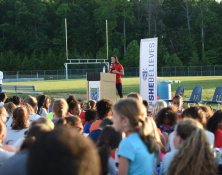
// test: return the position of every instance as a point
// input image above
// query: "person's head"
(32, 102)
(75, 108)
(194, 150)
(108, 142)
(43, 120)
(104, 108)
(16, 100)
(146, 104)
(158, 106)
(3, 113)
(208, 112)
(90, 115)
(105, 122)
(8, 100)
(73, 154)
(43, 102)
(10, 107)
(71, 98)
(129, 115)
(29, 109)
(2, 131)
(135, 95)
(86, 106)
(114, 59)
(20, 118)
(33, 133)
(81, 104)
(166, 116)
(196, 113)
(3, 97)
(215, 122)
(60, 108)
(92, 104)
(178, 101)
(74, 122)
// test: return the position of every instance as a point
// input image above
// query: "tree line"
(32, 32)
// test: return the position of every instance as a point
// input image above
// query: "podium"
(101, 85)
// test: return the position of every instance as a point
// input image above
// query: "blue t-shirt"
(86, 128)
(141, 160)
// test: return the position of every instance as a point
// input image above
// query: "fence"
(212, 70)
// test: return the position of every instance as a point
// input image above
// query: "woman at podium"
(117, 68)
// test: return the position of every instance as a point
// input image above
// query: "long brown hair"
(135, 111)
(194, 155)
(116, 59)
(20, 116)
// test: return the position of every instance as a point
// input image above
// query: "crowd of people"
(68, 136)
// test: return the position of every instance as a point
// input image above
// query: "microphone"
(111, 65)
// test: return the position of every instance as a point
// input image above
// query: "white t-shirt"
(43, 112)
(34, 117)
(13, 135)
(4, 155)
(9, 123)
(1, 103)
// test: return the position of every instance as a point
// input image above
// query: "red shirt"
(82, 117)
(218, 138)
(117, 67)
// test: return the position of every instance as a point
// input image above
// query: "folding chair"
(180, 90)
(195, 96)
(216, 98)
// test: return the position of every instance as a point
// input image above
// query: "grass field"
(61, 88)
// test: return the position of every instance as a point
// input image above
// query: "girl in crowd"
(3, 114)
(16, 100)
(30, 100)
(215, 126)
(10, 107)
(43, 105)
(19, 126)
(158, 106)
(194, 155)
(31, 113)
(107, 144)
(90, 117)
(178, 102)
(74, 108)
(137, 150)
(92, 104)
(4, 155)
(166, 119)
(59, 109)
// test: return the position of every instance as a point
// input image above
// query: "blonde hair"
(2, 128)
(158, 106)
(32, 102)
(10, 107)
(194, 155)
(135, 111)
(135, 95)
(43, 120)
(3, 111)
(29, 109)
(60, 108)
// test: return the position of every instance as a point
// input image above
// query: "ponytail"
(104, 153)
(194, 155)
(148, 134)
(109, 140)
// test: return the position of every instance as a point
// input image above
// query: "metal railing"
(36, 75)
